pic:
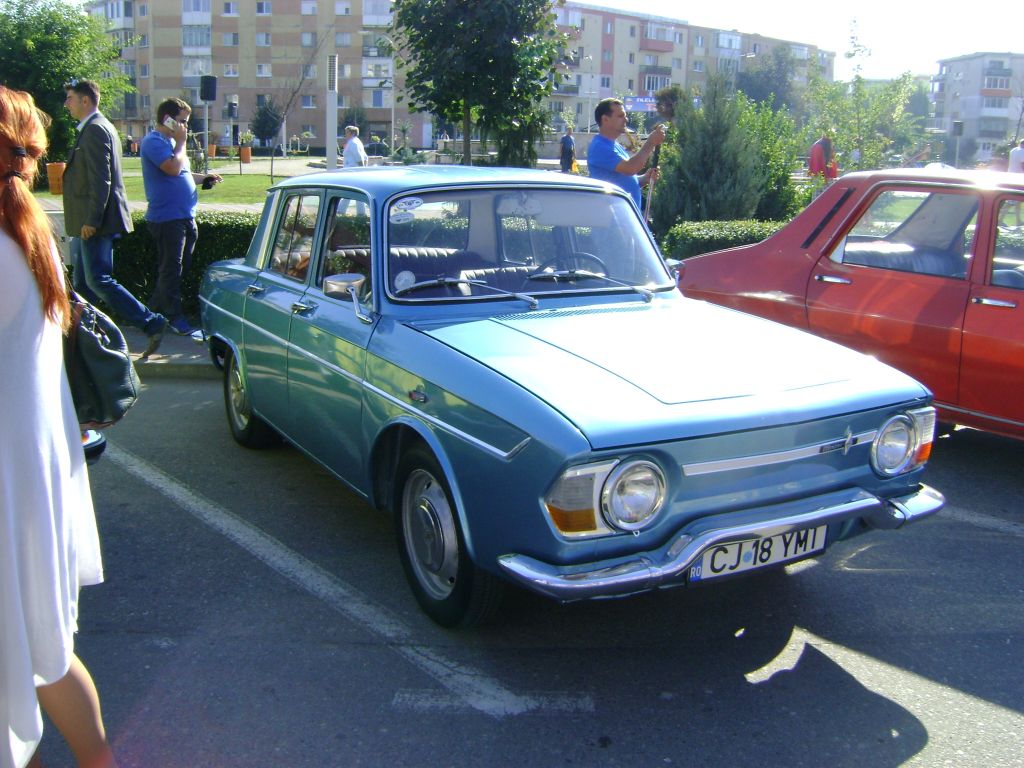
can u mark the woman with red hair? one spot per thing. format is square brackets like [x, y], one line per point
[49, 545]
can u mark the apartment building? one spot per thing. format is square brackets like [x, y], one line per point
[634, 55]
[984, 94]
[261, 49]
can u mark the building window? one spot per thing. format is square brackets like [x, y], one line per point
[629, 85]
[264, 70]
[698, 40]
[997, 83]
[606, 81]
[309, 39]
[557, 106]
[800, 52]
[608, 27]
[229, 39]
[632, 30]
[698, 66]
[654, 83]
[378, 98]
[143, 41]
[143, 70]
[729, 41]
[345, 71]
[308, 101]
[194, 66]
[651, 60]
[230, 70]
[309, 71]
[261, 99]
[678, 36]
[143, 9]
[230, 9]
[632, 58]
[309, 7]
[342, 39]
[195, 37]
[263, 39]
[144, 102]
[309, 130]
[195, 6]
[677, 63]
[263, 8]
[342, 101]
[996, 102]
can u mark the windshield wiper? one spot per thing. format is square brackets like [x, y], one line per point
[572, 274]
[443, 280]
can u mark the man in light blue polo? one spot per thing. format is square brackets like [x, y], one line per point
[171, 214]
[608, 160]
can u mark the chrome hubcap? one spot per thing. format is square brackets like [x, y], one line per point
[236, 397]
[429, 529]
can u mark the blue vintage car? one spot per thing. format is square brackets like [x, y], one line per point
[500, 359]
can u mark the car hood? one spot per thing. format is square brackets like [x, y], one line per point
[674, 368]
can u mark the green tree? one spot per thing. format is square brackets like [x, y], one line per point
[495, 61]
[779, 144]
[712, 168]
[357, 116]
[770, 79]
[45, 43]
[667, 98]
[266, 122]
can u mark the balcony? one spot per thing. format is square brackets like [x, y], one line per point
[661, 46]
[568, 89]
[991, 71]
[651, 69]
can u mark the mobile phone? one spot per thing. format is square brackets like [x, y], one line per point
[170, 123]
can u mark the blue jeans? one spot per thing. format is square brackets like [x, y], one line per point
[175, 242]
[93, 261]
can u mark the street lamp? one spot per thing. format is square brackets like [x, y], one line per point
[394, 85]
[590, 93]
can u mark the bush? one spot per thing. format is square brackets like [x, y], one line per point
[690, 238]
[222, 235]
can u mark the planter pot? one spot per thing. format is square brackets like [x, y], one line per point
[245, 153]
[212, 150]
[55, 176]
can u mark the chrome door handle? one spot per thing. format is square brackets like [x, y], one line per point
[833, 279]
[994, 302]
[298, 307]
[254, 290]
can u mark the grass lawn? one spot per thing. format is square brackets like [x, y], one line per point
[248, 187]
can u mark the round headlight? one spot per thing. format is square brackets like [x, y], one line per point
[632, 495]
[894, 447]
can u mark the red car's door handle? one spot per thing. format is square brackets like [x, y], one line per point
[994, 302]
[833, 279]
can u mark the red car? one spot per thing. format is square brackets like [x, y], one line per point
[922, 268]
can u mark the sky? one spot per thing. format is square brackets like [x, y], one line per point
[902, 35]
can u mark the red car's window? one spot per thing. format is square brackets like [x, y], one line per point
[1008, 255]
[928, 233]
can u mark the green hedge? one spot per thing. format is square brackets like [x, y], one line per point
[690, 238]
[221, 236]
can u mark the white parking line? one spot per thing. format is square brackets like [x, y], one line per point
[982, 521]
[468, 688]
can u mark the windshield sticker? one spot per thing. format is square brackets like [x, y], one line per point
[404, 279]
[407, 204]
[401, 217]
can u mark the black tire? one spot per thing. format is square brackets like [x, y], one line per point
[449, 587]
[247, 429]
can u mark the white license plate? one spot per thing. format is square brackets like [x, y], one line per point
[739, 556]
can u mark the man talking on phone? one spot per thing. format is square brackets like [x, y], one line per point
[171, 214]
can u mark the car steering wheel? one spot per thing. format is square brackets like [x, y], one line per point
[574, 259]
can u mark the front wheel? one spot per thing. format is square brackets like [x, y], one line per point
[449, 587]
[247, 429]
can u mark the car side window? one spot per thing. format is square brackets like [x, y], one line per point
[347, 240]
[929, 233]
[293, 241]
[1008, 254]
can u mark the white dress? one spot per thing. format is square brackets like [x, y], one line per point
[49, 546]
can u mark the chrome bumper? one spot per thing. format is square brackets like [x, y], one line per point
[669, 564]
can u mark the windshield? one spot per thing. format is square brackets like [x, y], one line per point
[473, 244]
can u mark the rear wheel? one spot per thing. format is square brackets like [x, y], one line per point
[449, 587]
[247, 429]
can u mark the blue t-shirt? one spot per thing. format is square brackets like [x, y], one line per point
[169, 197]
[602, 158]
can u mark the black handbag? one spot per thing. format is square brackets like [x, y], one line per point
[104, 384]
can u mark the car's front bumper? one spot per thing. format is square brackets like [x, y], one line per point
[669, 565]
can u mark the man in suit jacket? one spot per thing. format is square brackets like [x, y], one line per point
[96, 211]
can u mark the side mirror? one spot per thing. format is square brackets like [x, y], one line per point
[675, 266]
[344, 286]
